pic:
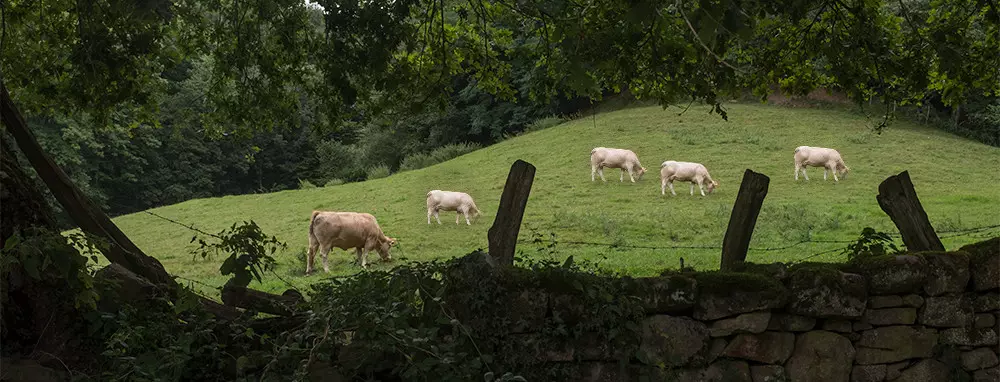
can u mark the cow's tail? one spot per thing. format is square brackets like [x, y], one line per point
[797, 149]
[312, 222]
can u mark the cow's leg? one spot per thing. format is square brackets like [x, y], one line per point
[458, 216]
[465, 212]
[310, 256]
[621, 178]
[701, 188]
[670, 183]
[798, 168]
[593, 172]
[663, 186]
[357, 254]
[437, 215]
[804, 172]
[825, 170]
[835, 179]
[325, 252]
[630, 175]
[430, 211]
[692, 189]
[600, 171]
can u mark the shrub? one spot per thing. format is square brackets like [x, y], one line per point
[438, 155]
[305, 184]
[334, 182]
[377, 172]
[871, 243]
[544, 123]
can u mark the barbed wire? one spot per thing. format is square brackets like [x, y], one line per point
[619, 245]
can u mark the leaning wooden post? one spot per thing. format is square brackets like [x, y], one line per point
[743, 218]
[899, 200]
[503, 234]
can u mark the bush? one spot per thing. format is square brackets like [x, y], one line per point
[305, 184]
[544, 123]
[377, 172]
[339, 161]
[334, 182]
[438, 155]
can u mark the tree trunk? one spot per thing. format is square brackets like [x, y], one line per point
[503, 234]
[742, 220]
[898, 199]
[21, 205]
[80, 209]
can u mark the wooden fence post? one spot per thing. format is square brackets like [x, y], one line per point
[503, 234]
[899, 200]
[753, 189]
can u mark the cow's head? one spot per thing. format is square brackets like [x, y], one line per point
[843, 170]
[642, 170]
[712, 186]
[384, 246]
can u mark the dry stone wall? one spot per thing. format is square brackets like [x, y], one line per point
[931, 316]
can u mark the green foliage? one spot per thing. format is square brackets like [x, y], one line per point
[249, 251]
[438, 155]
[871, 243]
[52, 258]
[377, 172]
[305, 184]
[333, 182]
[544, 123]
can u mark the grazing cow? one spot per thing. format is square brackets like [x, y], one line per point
[696, 173]
[459, 202]
[346, 230]
[626, 160]
[828, 159]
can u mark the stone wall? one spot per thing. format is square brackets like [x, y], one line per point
[932, 316]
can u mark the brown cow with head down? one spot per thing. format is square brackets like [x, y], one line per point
[346, 230]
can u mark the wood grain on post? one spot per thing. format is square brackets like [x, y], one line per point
[78, 206]
[899, 200]
[750, 198]
[243, 297]
[503, 234]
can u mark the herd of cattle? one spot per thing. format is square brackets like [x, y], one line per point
[361, 232]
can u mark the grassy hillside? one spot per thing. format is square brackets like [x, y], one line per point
[955, 178]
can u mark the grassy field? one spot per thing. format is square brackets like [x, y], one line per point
[955, 178]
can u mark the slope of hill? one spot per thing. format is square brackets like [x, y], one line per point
[955, 178]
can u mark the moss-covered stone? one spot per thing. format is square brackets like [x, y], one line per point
[826, 293]
[771, 270]
[984, 263]
[724, 294]
[892, 274]
[665, 294]
[948, 272]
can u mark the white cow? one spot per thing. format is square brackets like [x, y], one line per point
[828, 159]
[696, 173]
[346, 230]
[459, 202]
[626, 160]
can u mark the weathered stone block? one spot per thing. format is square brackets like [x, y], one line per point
[926, 370]
[891, 316]
[715, 350]
[719, 371]
[791, 323]
[820, 356]
[666, 294]
[949, 272]
[894, 274]
[868, 373]
[987, 375]
[950, 311]
[913, 300]
[979, 358]
[823, 293]
[527, 312]
[671, 341]
[725, 294]
[987, 302]
[984, 263]
[895, 343]
[595, 347]
[767, 347]
[839, 326]
[860, 326]
[894, 370]
[568, 308]
[755, 322]
[985, 320]
[879, 302]
[969, 337]
[603, 372]
[768, 373]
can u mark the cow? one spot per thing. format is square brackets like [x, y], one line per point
[828, 159]
[459, 202]
[346, 230]
[696, 173]
[626, 160]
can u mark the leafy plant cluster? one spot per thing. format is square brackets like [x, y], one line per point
[871, 243]
[51, 258]
[249, 251]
